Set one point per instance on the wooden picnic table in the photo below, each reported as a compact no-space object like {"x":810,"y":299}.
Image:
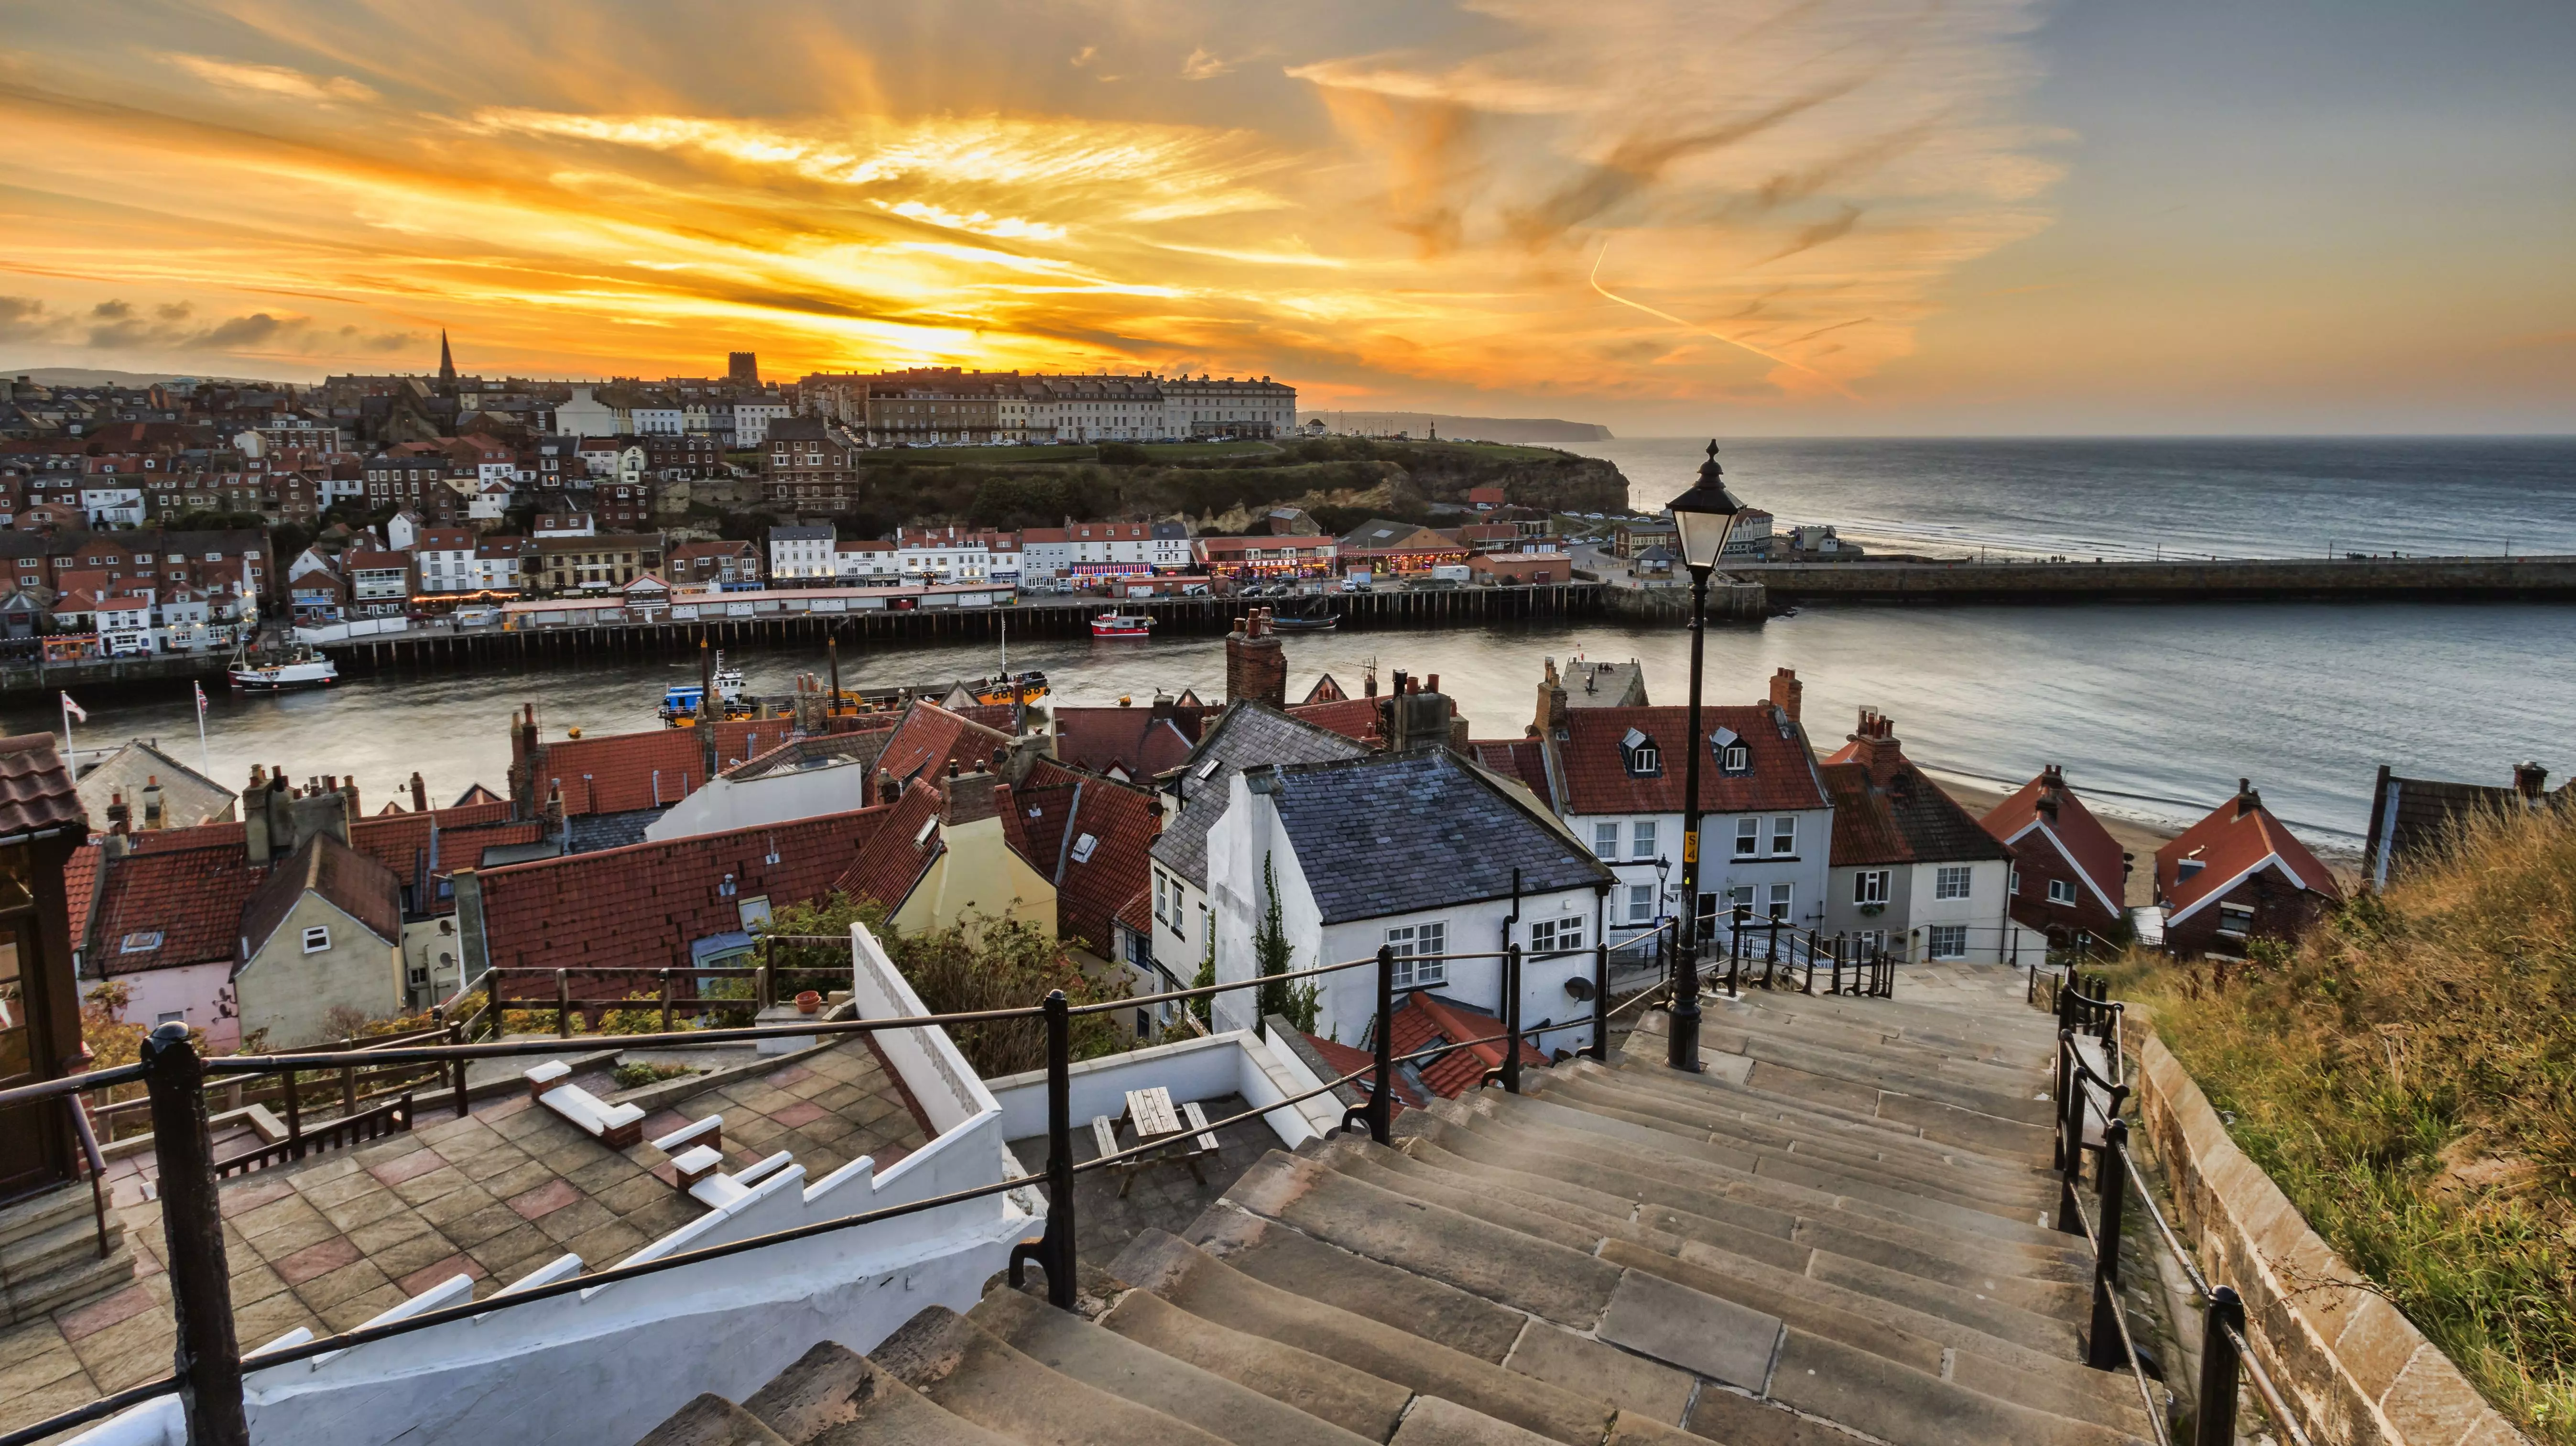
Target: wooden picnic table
{"x":1182,"y":1134}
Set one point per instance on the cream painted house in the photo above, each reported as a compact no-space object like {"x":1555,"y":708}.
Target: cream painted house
{"x":321,"y":943}
{"x":974,"y":870}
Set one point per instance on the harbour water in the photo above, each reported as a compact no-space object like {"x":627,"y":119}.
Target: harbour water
{"x":2155,"y":710}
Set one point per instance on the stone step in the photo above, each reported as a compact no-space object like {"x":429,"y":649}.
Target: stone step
{"x":711,"y":1420}
{"x":1728,"y":1075}
{"x":1663,"y":1228}
{"x":46,"y":1211}
{"x":2039,"y":1315}
{"x":1842,"y":1130}
{"x":1491,"y":1131}
{"x":85,"y":1278}
{"x":67,"y":1244}
{"x":1276,"y":1255}
{"x":1071,"y":1346}
{"x":1177,"y":1272}
{"x":1865,"y":1035}
{"x":832,"y":1396}
{"x":1921,"y":1342}
{"x":1828,"y":1189}
{"x":1672,"y":1201}
{"x":2018,"y":1189}
{"x":1827,"y":1072}
{"x":975,"y":1376}
{"x":2015,"y":1036}
{"x":1318,"y":1385}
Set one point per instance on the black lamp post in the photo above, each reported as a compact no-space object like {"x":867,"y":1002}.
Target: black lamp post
{"x":1704,"y":516}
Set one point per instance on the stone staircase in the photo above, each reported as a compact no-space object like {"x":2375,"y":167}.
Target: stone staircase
{"x":1834,"y":1234}
{"x":49,"y":1256}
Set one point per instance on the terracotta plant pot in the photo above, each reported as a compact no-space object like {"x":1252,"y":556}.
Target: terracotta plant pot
{"x":809,"y":1002}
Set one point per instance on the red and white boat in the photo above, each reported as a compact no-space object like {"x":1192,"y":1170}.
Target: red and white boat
{"x":1121,"y":625}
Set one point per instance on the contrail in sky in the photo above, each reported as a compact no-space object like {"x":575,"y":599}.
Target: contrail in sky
{"x":1773,"y":357}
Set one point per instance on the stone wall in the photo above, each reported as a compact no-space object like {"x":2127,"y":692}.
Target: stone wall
{"x":2479,"y":578}
{"x":2353,"y":1368}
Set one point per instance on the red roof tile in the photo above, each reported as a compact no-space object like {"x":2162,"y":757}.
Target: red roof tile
{"x":1350,"y":717}
{"x":2239,"y":837}
{"x":194,"y":836}
{"x":80,"y":884}
{"x":897,"y":853}
{"x":621,"y":772}
{"x":1781,"y":774}
{"x":400,"y":841}
{"x":36,"y":792}
{"x":1139,"y":742}
{"x":1523,"y":760}
{"x":644,"y":904}
{"x":1425,"y":1021}
{"x":1342,"y":1059}
{"x":192,"y":898}
{"x":1097,"y":881}
{"x":360,"y":887}
{"x":929,"y":736}
{"x":2069,"y":826}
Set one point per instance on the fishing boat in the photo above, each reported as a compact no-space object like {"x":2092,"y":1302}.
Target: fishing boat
{"x":1121,"y":625}
{"x":681,"y":701}
{"x":302,"y":668}
{"x":1323,"y":622}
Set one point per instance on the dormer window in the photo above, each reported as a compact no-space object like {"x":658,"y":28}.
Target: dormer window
{"x":1729,"y":749}
{"x":1639,"y":753}
{"x":2187,"y":869}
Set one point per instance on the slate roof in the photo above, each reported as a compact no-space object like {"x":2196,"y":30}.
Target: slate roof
{"x":363,"y":889}
{"x":2237,"y":838}
{"x":36,"y":791}
{"x":187,"y":796}
{"x":193,"y":897}
{"x":644,"y":904}
{"x":1246,"y":735}
{"x":2020,"y":821}
{"x":1399,"y":833}
{"x":1782,"y":774}
{"x":2416,"y":816}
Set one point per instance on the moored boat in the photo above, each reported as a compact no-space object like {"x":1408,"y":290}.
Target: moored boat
{"x":302,"y":668}
{"x":1121,"y":625}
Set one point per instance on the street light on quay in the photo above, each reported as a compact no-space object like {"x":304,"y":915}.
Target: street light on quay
{"x":1705,"y":517}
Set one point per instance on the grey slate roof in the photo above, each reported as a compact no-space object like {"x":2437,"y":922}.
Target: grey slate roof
{"x":1398,"y":833}
{"x":1247,"y":735}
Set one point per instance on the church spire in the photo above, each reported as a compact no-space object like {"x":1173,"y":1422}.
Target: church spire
{"x":446,"y":359}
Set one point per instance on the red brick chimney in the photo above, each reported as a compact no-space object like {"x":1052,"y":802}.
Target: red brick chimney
{"x":1875,"y":747}
{"x":2247,"y":800}
{"x":2052,"y":790}
{"x":2529,"y":779}
{"x":1786,"y":692}
{"x":1256,"y":666}
{"x":419,"y":793}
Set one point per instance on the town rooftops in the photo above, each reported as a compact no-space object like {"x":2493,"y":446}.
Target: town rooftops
{"x":1048,"y":816}
{"x":890,"y":863}
{"x":2045,"y":809}
{"x":355,"y":884}
{"x":168,"y":907}
{"x":1628,"y":760}
{"x":187,"y":796}
{"x":2418,"y":816}
{"x":930,"y":736}
{"x":1127,"y":742}
{"x":1400,"y":833}
{"x":1246,"y":735}
{"x":1354,"y":718}
{"x":2237,"y":839}
{"x":796,"y":533}
{"x":1887,"y":811}
{"x":1381,"y":535}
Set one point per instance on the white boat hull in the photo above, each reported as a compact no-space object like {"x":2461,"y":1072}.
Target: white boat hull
{"x":319,"y":673}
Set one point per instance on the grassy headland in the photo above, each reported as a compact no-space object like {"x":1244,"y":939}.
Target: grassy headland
{"x":2407,"y":1074}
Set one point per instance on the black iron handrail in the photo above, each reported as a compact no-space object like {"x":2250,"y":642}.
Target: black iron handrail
{"x":212,"y":1363}
{"x":97,"y":1164}
{"x":2224,"y":1350}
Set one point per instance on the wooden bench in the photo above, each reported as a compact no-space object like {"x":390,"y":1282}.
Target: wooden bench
{"x":616,"y":1126}
{"x":1151,"y":1116}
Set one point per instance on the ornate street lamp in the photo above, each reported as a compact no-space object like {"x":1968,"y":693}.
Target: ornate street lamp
{"x":1704,"y":516}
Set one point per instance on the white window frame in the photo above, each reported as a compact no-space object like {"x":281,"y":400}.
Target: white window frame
{"x":1641,"y":903}
{"x":1953,"y":881}
{"x":1940,"y":935}
{"x":1869,"y":886}
{"x":1748,"y":837}
{"x":1409,"y":941}
{"x":1558,"y":935}
{"x":1782,"y":905}
{"x":1641,"y":839}
{"x":317,"y":938}
{"x":1784,"y":835}
{"x":1605,"y":840}
{"x":2061,"y":891}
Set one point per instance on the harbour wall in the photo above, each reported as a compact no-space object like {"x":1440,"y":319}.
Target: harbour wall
{"x":2419,"y":579}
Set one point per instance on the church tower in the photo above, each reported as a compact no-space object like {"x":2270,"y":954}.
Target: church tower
{"x":446,"y":364}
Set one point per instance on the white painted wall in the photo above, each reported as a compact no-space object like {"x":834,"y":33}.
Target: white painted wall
{"x":1239,"y":1061}
{"x":199,"y":993}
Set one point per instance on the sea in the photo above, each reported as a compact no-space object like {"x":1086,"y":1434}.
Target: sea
{"x":2155,"y":710}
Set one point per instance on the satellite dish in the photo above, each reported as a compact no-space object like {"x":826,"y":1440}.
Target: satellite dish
{"x":1579,"y":986}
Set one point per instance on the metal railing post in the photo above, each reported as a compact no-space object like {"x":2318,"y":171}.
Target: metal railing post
{"x":456,"y":1035}
{"x":1381,"y":1105}
{"x":1599,"y":1048}
{"x":2070,"y":1138}
{"x":563,"y":1004}
{"x":2112,"y":1176}
{"x":1512,"y":1019}
{"x":1838,"y":966}
{"x":1735,"y":920}
{"x":209,"y":1357}
{"x":2215,"y":1418}
{"x":1770,"y":949}
{"x":294,"y":1119}
{"x":1059,"y":1227}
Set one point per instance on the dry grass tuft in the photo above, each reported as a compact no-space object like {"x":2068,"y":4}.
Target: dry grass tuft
{"x":2408,"y":1075}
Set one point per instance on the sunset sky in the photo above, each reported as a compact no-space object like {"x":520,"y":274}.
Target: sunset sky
{"x":1754,"y":216}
